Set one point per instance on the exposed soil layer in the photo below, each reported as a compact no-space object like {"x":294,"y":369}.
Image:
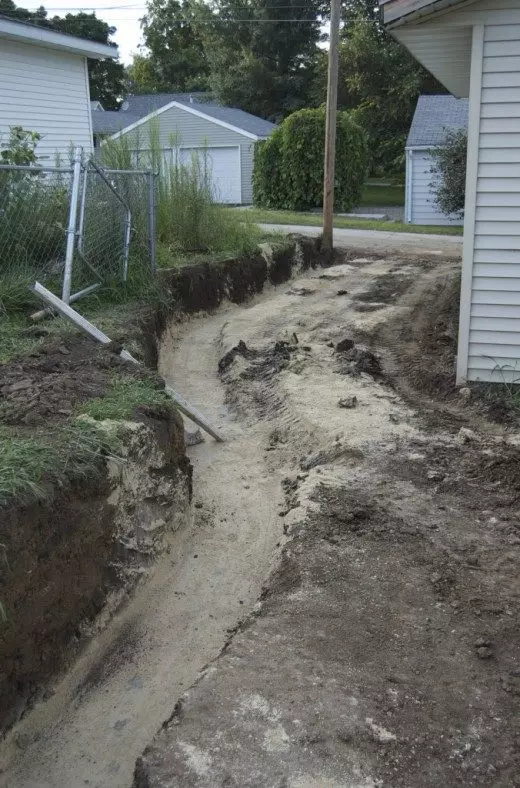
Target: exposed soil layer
{"x":425,"y":344}
{"x":56,"y":571}
{"x":49,"y":386}
{"x":386,"y":651}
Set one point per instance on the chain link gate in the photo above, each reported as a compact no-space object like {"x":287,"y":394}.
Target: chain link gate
{"x":83,"y":224}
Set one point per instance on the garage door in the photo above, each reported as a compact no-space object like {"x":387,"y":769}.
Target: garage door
{"x":223,"y":167}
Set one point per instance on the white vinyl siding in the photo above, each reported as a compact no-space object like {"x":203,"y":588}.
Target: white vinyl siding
{"x":189,"y":130}
{"x":420,"y":197}
{"x":494,"y":321}
{"x":45,"y":90}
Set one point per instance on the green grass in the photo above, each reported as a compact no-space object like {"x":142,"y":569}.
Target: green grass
{"x":122,"y":398}
{"x":377,"y":194}
{"x":32,"y":467}
{"x":257,"y":215}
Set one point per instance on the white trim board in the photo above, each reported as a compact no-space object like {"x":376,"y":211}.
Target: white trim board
{"x":26,"y":33}
{"x":468,"y":248}
{"x":198,"y":113}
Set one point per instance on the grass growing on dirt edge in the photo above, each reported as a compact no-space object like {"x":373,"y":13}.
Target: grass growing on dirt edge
{"x":257,"y":215}
{"x":33,"y":466}
{"x":122,"y":398}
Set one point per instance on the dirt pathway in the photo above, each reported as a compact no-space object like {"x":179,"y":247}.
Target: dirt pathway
{"x":386,"y":653}
{"x":108,"y":708}
{"x":286,"y":438}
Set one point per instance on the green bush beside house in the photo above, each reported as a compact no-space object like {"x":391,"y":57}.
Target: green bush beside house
{"x":288,"y":168}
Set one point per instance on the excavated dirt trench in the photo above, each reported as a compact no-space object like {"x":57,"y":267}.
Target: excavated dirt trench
{"x":293,"y":459}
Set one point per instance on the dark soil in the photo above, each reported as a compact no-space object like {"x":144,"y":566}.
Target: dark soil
{"x":387,"y":289}
{"x":203,"y":287}
{"x":53,"y":577}
{"x":387,"y":647}
{"x":48,"y":387}
{"x":425,"y":344}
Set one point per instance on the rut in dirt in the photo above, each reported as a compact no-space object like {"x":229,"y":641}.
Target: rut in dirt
{"x":369,"y":493}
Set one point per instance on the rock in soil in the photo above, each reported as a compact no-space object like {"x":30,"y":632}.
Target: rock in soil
{"x":348,"y":402}
{"x":344,"y":345}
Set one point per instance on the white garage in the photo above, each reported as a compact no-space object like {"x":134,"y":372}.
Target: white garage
{"x":222,"y":166}
{"x":434,"y":117}
{"x":193,"y":124}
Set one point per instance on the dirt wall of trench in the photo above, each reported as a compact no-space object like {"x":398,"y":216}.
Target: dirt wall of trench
{"x":71,"y":560}
{"x":67,"y":559}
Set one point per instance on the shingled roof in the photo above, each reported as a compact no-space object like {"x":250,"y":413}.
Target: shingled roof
{"x":138,"y":107}
{"x":434,"y":117}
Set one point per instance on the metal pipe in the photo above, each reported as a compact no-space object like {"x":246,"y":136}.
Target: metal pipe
{"x":128,"y":230}
{"x":81,"y":226}
{"x":152,"y":221}
{"x":127,"y":172}
{"x":86,"y":291}
{"x":71,"y":230}
{"x":35,"y":168}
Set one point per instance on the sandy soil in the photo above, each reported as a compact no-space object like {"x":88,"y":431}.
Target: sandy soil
{"x":385,"y":651}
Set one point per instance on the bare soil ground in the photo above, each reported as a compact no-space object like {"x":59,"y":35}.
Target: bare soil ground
{"x":386,"y":649}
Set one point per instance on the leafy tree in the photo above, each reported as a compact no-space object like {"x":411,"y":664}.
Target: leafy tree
{"x":177,"y":61}
{"x":288,"y":171}
{"x":449,"y":168}
{"x":380,"y":81}
{"x":107,"y":76}
{"x":261,"y":53}
{"x":141,"y":77}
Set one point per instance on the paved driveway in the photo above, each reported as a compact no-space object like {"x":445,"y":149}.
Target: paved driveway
{"x":376,"y":240}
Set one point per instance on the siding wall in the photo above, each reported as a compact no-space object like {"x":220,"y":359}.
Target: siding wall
{"x":422,"y":208}
{"x":45,"y":90}
{"x":190,"y":130}
{"x":494,"y":327}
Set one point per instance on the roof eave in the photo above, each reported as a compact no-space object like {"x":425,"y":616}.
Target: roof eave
{"x":402,"y":12}
{"x":13,"y":30}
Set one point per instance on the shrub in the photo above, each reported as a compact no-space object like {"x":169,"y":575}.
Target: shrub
{"x":449,"y":167}
{"x":288,"y":171}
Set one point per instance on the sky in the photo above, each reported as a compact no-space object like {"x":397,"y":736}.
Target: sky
{"x":122,"y":14}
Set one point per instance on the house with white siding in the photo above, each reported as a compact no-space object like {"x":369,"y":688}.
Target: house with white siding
{"x":473,"y":48}
{"x":434,"y":117}
{"x":44,"y":85}
{"x":193,"y":125}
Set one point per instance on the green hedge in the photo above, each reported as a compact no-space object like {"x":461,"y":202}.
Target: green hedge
{"x":288,"y":169}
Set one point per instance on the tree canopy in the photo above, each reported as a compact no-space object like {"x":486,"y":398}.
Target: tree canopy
{"x":258,"y":55}
{"x":106,"y":76}
{"x":379,"y":81}
{"x":177,"y":60}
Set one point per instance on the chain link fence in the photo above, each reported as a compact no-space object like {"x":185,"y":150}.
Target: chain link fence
{"x":75,"y":228}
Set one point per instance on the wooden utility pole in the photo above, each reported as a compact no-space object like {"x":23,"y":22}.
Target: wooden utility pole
{"x":330,"y":125}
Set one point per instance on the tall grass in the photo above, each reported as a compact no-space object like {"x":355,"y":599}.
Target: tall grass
{"x":189,"y":220}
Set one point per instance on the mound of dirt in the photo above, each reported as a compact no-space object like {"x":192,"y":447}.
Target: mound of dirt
{"x":47,"y":387}
{"x":425,"y":343}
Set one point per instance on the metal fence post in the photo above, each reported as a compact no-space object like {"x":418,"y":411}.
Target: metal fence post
{"x":71,"y":230}
{"x":152,"y":220}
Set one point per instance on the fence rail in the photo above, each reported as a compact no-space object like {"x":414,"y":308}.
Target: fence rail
{"x":79,"y":226}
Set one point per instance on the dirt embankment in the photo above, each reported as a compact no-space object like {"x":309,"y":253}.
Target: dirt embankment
{"x":70,"y":558}
{"x":65,"y":556}
{"x":386,"y":650}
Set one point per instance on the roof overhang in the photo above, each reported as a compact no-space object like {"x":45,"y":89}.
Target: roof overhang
{"x":26,"y":33}
{"x":401,"y":12}
{"x":422,"y":26}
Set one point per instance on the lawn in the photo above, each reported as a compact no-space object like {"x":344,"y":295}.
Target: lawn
{"x":257,"y":215}
{"x":378,"y":194}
